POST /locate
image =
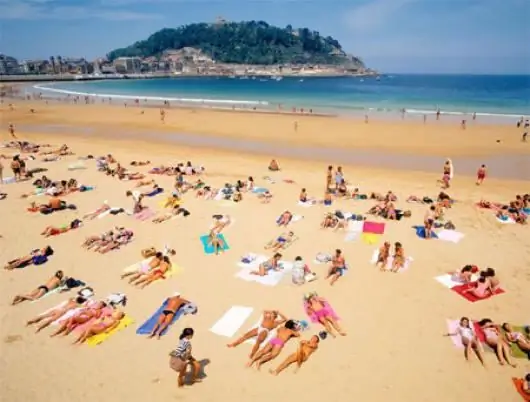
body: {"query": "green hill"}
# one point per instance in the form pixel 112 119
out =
pixel 250 42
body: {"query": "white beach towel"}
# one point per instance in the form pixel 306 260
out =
pixel 272 278
pixel 448 282
pixel 296 218
pixel 388 267
pixel 270 335
pixel 306 204
pixel 507 221
pixel 450 235
pixel 452 326
pixel 136 266
pixel 51 292
pixel 9 180
pixel 231 321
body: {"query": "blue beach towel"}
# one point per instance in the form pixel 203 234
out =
pixel 147 327
pixel 526 211
pixel 259 190
pixel 420 232
pixel 156 191
pixel 208 248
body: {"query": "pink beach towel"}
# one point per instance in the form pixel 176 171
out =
pixel 105 312
pixel 144 214
pixel 327 308
pixel 374 227
pixel 452 326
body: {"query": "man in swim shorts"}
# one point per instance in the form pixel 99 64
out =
pixel 53 283
pixel 166 317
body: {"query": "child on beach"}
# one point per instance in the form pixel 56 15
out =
pixel 398 261
pixel 305 350
pixel 469 339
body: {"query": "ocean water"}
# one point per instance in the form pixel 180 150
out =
pixel 495 95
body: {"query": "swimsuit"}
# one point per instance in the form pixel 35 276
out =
pixel 276 342
pixel 168 312
pixel 45 288
pixel 281 240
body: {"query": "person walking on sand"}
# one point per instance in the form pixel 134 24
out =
pixel 295 126
pixel 523 138
pixel 12 130
pixel 162 115
pixel 181 358
pixel 305 349
pixel 481 175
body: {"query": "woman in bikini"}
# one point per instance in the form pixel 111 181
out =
pixel 144 268
pixel 81 317
pixel 53 283
pixel 338 267
pixel 154 275
pixel 273 264
pixel 398 261
pixel 273 348
pixel 383 256
pixel 101 325
pixel 520 339
pixel 319 309
pixel 482 288
pixel 281 242
pixel 54 231
pixel 53 315
pixel 469 339
pixel 215 240
pixel 465 275
pixel 285 218
pixel 428 221
pixel 494 340
pixel 271 319
pixel 305 349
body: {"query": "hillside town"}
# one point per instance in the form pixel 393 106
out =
pixel 185 61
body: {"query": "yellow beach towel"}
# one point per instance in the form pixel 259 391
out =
pixel 370 238
pixel 97 339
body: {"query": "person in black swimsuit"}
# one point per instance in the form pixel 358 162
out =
pixel 53 283
pixel 172 305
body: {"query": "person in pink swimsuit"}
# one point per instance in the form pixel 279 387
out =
pixel 320 311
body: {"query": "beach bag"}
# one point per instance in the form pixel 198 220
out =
pixel 116 299
pixel 189 308
pixel 86 292
pixel 72 283
pixel 323 258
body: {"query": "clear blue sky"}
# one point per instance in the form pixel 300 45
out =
pixel 447 36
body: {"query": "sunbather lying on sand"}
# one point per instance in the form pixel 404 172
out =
pixel 140 163
pixel 520 339
pixel 53 283
pixel 273 348
pixel 271 319
pixel 389 196
pixel 92 215
pixel 482 288
pixel 206 193
pixel 81 317
pixel 174 304
pixel 220 222
pixel 271 264
pixel 53 315
pixel 142 183
pixel 285 218
pixel 305 350
pixel 94 241
pixel 153 275
pixel 53 231
pixel 516 216
pixel 176 211
pixel 319 309
pixel 469 339
pixel 37 257
pixel 281 242
pixel 121 238
pixel 495 340
pixel 216 241
pixel 465 275
pixel 338 267
pixel 101 325
pixel 144 267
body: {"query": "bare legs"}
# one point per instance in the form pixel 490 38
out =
pixel 196 369
pixel 468 345
pixel 293 358
pixel 163 322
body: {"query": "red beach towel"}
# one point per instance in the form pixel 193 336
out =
pixel 518 383
pixel 462 291
pixel 374 227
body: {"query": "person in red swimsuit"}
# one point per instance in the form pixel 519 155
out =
pixel 481 174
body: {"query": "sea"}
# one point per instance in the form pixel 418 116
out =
pixel 494 97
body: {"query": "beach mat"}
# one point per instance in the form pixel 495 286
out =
pixel 420 232
pixel 462 291
pixel 51 292
pixel 377 228
pixel 208 248
pixel 144 214
pixel 370 238
pixel 136 266
pixel 452 326
pixel 259 190
pixel 448 282
pixel 272 278
pixel 518 384
pixel 147 327
pixel 231 321
pixel 99 338
pixel 516 351
pixel 388 267
pixel 450 235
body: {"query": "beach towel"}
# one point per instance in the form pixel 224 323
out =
pixel 51 292
pixel 208 248
pixel 295 218
pixel 77 166
pixel 462 291
pixel 452 326
pixel 526 211
pixel 420 232
pixel 518 384
pixel 110 211
pixel 231 321
pixel 149 325
pixel 97 339
pixel 352 236
pixel 377 228
pixel 505 220
pixel 448 282
pixel 323 258
pixel 272 278
pixel 259 190
pixel 450 235
pixel 370 238
pixel 406 266
pixel 516 351
pixel 154 192
pixel 327 307
pixel 9 180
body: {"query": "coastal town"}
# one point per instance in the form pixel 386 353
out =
pixel 186 61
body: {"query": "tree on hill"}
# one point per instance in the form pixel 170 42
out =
pixel 252 42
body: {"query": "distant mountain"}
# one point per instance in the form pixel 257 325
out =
pixel 248 42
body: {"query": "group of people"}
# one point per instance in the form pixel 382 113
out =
pixel 108 241
pixel 517 210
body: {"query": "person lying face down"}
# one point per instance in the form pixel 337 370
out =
pixel 273 264
pixel 51 284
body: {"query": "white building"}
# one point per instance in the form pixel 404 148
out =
pixel 8 65
pixel 125 65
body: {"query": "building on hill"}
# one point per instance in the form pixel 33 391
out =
pixel 128 65
pixel 8 65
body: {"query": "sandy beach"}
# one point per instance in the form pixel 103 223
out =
pixel 394 349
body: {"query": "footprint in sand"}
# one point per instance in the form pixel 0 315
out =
pixel 12 338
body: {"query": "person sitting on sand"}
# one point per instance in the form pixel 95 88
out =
pixel 338 267
pixel 328 198
pixel 330 221
pixel 173 304
pixel 492 335
pixel 265 197
pixel 285 218
pixel 53 315
pixel 140 163
pixel 137 199
pixel 469 339
pixel 144 268
pixel 101 325
pixel 272 264
pixel 398 261
pixel 221 222
pixel 520 339
pixel 53 283
pixel 482 288
pixel 206 193
pixel 54 231
pixel 491 276
pixel 274 166
pixel 304 198
pixel 273 348
pixel 153 275
pixel 465 275
pixel 319 310
pixel 36 257
pixel 383 256
pixel 271 319
pixel 281 242
pixel 92 311
pixel 302 354
pixel 389 211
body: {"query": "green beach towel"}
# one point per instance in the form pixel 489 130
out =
pixel 516 351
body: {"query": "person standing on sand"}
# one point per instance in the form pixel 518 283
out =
pixel 481 175
pixel 162 115
pixel 181 358
pixel 523 138
pixel 463 125
pixel 438 114
pixel 295 126
pixel 12 130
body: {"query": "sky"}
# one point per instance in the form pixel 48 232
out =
pixel 392 36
